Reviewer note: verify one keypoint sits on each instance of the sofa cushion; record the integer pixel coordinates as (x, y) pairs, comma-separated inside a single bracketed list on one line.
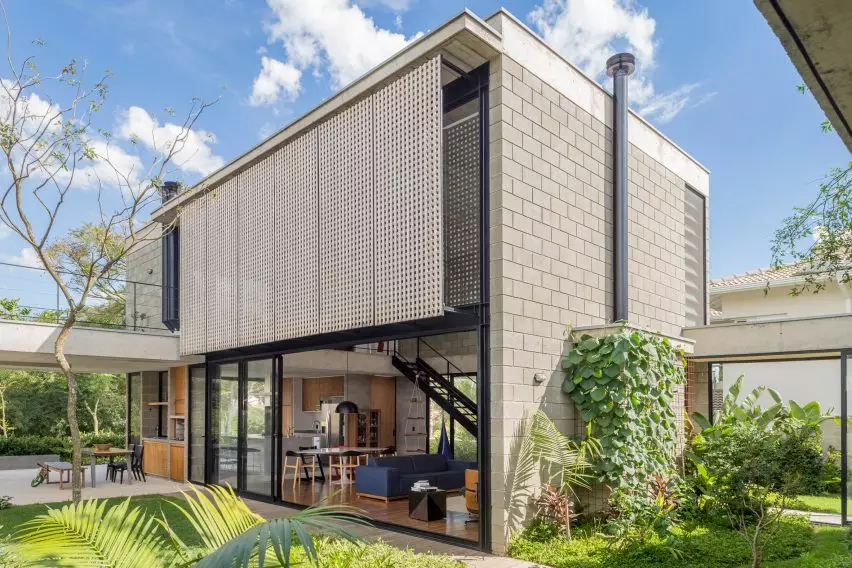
[(449, 479), (403, 463), (428, 463)]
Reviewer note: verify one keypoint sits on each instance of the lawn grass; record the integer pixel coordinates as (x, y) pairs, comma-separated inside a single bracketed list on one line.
[(796, 544), (817, 503), (335, 553), (11, 519)]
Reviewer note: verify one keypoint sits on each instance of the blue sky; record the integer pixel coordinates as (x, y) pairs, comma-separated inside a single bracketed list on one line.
[(720, 85)]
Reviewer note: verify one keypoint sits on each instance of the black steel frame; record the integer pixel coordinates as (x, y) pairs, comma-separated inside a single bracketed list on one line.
[(242, 390), (844, 356), (470, 86), (187, 431)]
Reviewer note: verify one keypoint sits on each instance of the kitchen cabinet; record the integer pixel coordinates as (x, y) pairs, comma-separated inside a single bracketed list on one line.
[(179, 389), (176, 465), (383, 398), (156, 458), (318, 388)]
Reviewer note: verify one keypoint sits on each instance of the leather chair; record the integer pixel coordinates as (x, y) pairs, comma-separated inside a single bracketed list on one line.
[(471, 494)]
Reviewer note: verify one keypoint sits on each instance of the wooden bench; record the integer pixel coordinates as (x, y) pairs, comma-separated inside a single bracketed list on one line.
[(61, 468)]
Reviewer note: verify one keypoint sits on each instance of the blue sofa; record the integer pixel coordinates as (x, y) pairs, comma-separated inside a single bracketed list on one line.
[(391, 477)]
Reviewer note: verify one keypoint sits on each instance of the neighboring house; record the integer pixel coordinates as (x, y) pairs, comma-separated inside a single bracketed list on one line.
[(768, 295), (432, 229)]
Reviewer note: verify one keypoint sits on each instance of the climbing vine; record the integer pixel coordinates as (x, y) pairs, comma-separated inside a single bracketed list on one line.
[(623, 385)]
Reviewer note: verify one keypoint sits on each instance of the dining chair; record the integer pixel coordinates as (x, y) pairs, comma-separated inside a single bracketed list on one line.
[(348, 465), (295, 466), (389, 451), (310, 460), (114, 466), (136, 465)]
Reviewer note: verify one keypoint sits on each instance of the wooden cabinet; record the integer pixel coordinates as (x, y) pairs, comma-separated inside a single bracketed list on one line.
[(321, 387), (383, 399), (155, 459), (286, 407), (176, 465), (178, 375)]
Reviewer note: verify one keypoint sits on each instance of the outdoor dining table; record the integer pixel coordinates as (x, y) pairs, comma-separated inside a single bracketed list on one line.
[(337, 451), (111, 453)]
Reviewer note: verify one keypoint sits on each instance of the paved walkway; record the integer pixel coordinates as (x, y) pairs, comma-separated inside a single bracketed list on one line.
[(469, 557), (16, 484)]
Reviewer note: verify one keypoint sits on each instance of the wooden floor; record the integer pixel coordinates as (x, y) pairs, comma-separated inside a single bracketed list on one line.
[(395, 512)]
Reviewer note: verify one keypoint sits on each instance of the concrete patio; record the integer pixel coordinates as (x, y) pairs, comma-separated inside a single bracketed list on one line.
[(16, 484)]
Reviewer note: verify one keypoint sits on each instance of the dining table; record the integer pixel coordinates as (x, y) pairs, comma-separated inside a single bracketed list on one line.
[(337, 451), (111, 453)]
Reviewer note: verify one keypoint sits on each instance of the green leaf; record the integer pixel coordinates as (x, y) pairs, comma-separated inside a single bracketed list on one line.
[(598, 394)]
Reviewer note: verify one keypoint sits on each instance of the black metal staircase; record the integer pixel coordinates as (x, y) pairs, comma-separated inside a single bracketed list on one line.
[(440, 390)]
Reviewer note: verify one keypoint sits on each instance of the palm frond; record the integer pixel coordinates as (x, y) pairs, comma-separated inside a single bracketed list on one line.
[(233, 535), (566, 458), (91, 534)]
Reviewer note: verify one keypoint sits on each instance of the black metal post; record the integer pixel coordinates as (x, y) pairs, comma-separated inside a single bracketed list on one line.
[(483, 371), (619, 67)]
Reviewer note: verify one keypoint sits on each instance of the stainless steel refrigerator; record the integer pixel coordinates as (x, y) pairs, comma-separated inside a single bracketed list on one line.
[(331, 423)]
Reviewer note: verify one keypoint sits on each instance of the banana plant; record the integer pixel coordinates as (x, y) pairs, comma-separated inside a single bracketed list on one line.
[(231, 535)]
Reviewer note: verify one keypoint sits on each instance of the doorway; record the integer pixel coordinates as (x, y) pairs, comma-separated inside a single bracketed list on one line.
[(241, 428)]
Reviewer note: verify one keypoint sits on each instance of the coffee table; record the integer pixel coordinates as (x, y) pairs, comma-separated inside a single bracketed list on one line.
[(427, 505)]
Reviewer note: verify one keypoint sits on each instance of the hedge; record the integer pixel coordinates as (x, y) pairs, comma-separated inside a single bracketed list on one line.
[(37, 445)]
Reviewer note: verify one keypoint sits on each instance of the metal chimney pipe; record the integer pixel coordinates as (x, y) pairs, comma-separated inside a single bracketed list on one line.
[(620, 67), (170, 189)]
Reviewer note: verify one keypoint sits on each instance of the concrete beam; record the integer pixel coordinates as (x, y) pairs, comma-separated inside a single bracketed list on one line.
[(820, 336)]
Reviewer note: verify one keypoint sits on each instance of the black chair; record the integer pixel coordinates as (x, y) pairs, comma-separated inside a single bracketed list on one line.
[(114, 466), (389, 451), (136, 463)]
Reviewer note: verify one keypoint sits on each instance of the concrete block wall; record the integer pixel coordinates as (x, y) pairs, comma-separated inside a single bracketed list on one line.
[(551, 230), (143, 308)]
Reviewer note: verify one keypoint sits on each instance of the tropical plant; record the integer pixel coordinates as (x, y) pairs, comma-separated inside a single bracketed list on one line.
[(565, 464), (624, 384), (91, 534)]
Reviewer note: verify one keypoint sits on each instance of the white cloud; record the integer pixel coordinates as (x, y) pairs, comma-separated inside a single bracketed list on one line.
[(275, 79), (332, 35), (195, 155), (587, 32), (4, 231), (267, 130), (27, 257)]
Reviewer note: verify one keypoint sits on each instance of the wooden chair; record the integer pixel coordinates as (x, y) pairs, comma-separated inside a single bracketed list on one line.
[(296, 467), (348, 465), (471, 494), (311, 461)]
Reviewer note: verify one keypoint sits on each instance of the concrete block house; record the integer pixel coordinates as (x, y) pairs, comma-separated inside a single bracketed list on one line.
[(413, 249)]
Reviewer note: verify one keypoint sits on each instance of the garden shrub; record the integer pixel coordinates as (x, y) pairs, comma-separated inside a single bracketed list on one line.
[(708, 546), (37, 445), (801, 451)]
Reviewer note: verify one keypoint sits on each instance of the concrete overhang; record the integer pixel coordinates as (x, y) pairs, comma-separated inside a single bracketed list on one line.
[(817, 39), (29, 345), (793, 338), (466, 41)]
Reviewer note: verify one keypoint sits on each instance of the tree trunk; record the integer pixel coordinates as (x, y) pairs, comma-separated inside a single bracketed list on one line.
[(3, 418), (76, 456)]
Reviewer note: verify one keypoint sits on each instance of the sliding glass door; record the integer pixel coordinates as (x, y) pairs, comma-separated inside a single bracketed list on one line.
[(259, 433), (241, 433), (224, 425)]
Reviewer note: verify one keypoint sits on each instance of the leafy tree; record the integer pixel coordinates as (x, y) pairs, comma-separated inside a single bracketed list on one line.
[(818, 236), (11, 309), (49, 143)]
